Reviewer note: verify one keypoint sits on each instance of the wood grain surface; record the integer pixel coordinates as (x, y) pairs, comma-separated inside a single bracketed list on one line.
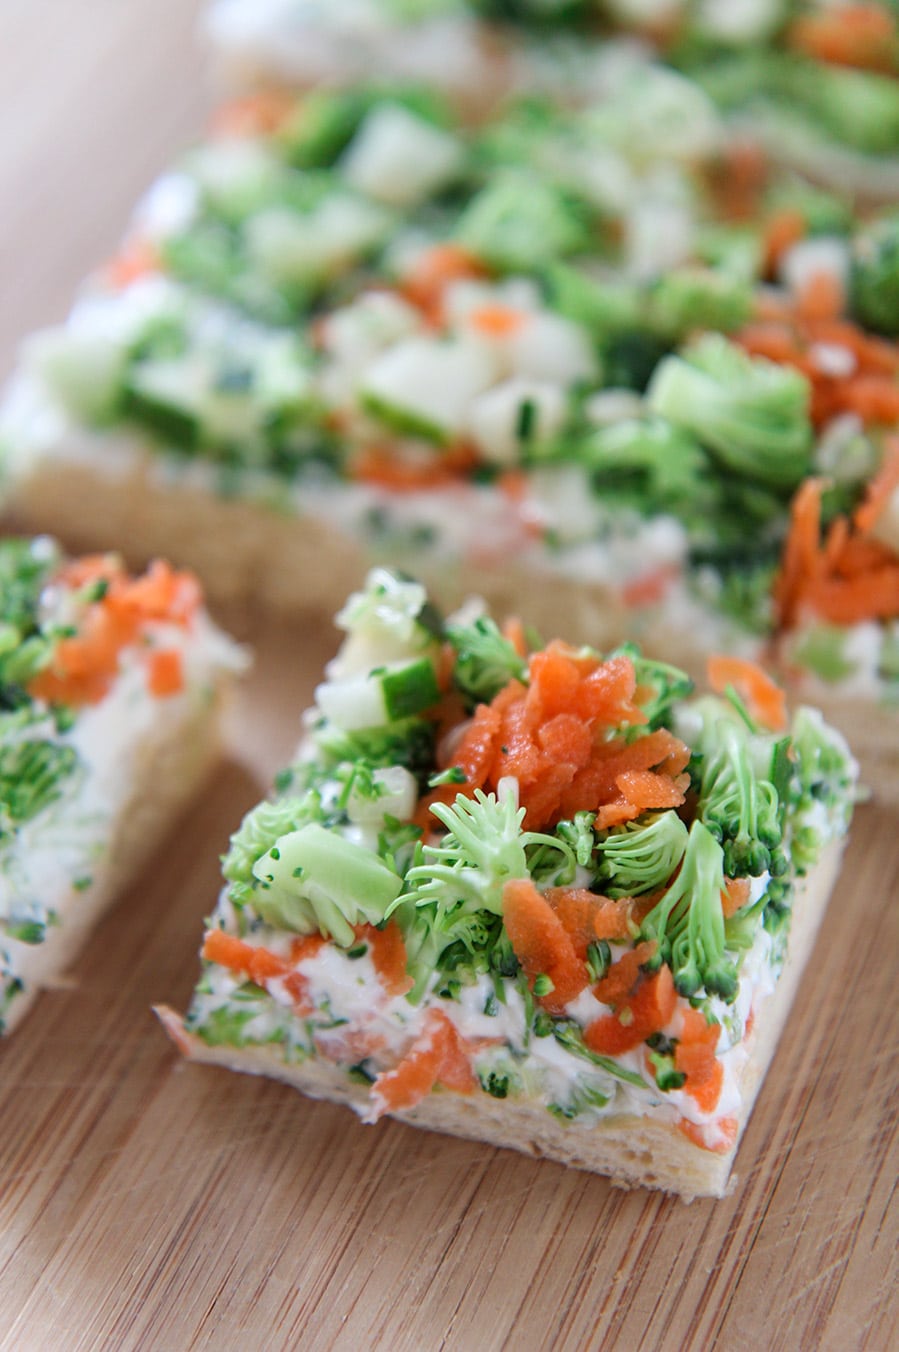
[(146, 1204)]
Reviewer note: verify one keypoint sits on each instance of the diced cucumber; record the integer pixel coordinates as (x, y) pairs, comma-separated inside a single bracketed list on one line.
[(84, 371), (424, 386), (290, 248), (236, 177), (399, 158), (396, 796), (396, 691), (550, 348), (515, 416), (168, 397)]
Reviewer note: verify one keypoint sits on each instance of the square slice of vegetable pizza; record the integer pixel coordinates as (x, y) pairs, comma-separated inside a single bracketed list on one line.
[(110, 690), (528, 894)]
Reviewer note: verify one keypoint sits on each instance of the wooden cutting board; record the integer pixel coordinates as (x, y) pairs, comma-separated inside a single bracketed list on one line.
[(153, 1205)]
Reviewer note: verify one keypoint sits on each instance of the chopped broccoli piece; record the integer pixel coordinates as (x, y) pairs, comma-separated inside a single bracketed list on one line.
[(691, 299), (484, 847), (32, 774), (688, 923), (518, 223), (315, 879), (752, 414), (739, 807), (858, 108), (651, 465), (638, 858), (485, 661), (408, 742), (261, 828), (668, 685), (821, 793), (602, 308), (875, 276)]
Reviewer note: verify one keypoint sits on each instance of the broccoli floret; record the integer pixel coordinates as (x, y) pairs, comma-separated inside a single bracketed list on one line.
[(518, 223), (485, 661), (875, 276), (638, 858), (484, 847), (262, 827), (691, 299), (858, 108), (740, 807), (752, 414), (687, 924), (604, 308), (315, 879), (451, 910), (822, 791), (32, 775), (652, 466), (668, 685), (408, 742)]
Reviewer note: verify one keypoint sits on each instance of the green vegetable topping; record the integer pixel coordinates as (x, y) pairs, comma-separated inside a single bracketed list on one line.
[(752, 414), (687, 924)]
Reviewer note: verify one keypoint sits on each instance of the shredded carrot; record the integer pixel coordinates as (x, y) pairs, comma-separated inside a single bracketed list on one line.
[(433, 271), (165, 672), (735, 896), (821, 296), (387, 468), (719, 1138), (738, 180), (880, 489), (84, 665), (552, 737), (587, 917), (251, 960), (782, 230), (794, 335), (513, 632), (764, 699), (388, 952), (847, 578), (497, 321), (542, 944), (138, 258), (257, 114), (623, 975), (862, 35), (437, 1056), (646, 1011), (651, 588)]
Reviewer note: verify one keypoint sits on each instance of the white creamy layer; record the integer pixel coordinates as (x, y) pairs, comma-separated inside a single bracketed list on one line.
[(54, 856), (353, 1020)]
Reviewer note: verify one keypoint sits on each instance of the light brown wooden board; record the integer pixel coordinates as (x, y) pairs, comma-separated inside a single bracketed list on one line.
[(148, 1204)]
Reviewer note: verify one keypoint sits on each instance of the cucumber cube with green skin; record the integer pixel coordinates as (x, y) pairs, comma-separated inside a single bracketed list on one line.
[(399, 158), (382, 696), (84, 371), (291, 248), (424, 387)]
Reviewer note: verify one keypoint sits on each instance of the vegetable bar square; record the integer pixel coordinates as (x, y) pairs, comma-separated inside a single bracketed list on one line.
[(110, 691), (528, 894), (608, 361)]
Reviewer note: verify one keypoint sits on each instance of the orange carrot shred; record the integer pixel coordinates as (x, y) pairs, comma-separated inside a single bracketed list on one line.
[(764, 699), (541, 944)]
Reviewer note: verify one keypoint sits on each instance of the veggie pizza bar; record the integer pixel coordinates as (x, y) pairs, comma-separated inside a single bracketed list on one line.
[(528, 894), (110, 690), (610, 362), (816, 78)]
